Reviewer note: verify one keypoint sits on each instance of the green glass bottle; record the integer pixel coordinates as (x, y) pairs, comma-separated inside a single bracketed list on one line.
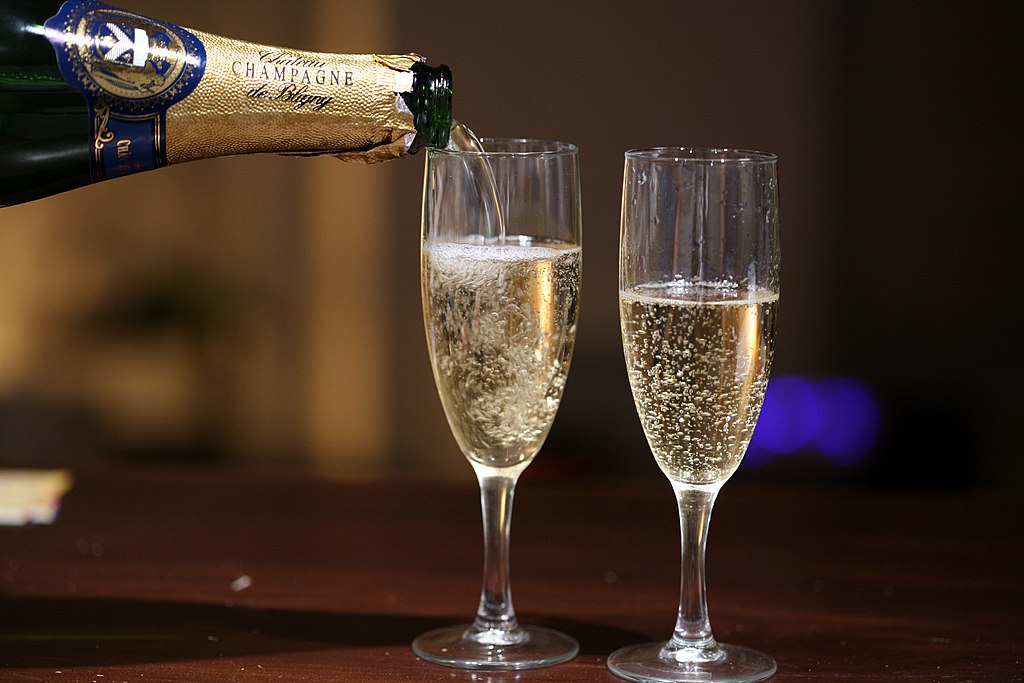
[(89, 92)]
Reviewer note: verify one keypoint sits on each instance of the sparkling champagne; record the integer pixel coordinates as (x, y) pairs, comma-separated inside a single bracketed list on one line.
[(500, 321), (698, 358), (462, 139)]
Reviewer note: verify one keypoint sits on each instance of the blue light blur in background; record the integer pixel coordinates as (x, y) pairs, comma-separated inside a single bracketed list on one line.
[(838, 419)]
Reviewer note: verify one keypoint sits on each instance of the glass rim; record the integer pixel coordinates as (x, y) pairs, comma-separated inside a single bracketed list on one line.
[(722, 155), (554, 148)]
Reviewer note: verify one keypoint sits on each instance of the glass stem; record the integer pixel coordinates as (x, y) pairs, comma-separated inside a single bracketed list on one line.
[(496, 618), (693, 626)]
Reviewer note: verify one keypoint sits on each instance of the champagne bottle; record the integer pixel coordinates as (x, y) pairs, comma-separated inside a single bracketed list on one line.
[(89, 92)]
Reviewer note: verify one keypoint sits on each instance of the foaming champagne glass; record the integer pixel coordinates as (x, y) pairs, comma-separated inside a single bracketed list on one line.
[(500, 268), (698, 294)]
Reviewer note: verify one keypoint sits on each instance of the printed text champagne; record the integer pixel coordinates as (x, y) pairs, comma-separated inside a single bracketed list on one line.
[(89, 92)]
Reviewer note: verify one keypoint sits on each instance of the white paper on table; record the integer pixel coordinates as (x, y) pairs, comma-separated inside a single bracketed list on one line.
[(31, 496)]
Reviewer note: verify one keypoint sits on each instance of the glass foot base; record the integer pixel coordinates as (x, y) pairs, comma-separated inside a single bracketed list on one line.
[(535, 647), (649, 663)]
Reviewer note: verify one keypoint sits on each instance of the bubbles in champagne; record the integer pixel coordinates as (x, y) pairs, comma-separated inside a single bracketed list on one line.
[(698, 359), (501, 321)]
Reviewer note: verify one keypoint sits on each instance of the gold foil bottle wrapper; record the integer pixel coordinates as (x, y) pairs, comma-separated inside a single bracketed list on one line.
[(259, 98)]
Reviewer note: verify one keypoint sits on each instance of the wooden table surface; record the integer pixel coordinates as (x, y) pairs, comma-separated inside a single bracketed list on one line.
[(215, 574)]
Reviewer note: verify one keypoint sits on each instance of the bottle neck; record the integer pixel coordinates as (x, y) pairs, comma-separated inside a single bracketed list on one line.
[(430, 102)]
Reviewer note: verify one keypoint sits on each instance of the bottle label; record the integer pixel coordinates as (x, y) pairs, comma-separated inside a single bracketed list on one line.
[(131, 69)]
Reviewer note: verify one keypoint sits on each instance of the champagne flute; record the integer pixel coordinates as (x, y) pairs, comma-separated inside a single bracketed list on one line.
[(500, 267), (698, 294)]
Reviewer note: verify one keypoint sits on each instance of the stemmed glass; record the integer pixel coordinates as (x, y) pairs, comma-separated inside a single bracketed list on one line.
[(698, 294), (500, 264)]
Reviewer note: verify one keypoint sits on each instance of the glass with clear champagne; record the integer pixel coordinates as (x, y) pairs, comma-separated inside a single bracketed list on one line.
[(698, 295), (500, 268)]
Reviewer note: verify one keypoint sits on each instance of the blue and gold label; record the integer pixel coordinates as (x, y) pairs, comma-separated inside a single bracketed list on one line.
[(131, 69)]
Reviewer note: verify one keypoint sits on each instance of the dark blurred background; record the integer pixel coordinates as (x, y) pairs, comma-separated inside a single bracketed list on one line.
[(267, 310)]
